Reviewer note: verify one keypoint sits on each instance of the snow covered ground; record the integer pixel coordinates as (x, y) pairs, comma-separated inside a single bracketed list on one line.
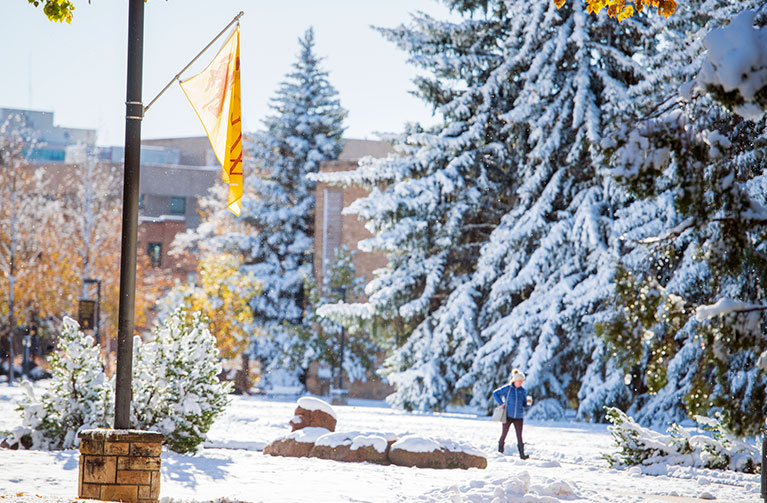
[(565, 465)]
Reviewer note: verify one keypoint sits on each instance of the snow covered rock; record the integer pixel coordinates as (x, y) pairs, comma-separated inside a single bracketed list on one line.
[(425, 452), (297, 444), (352, 447), (313, 413)]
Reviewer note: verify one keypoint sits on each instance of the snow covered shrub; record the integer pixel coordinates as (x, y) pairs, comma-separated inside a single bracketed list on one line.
[(641, 446), (176, 389), (80, 396)]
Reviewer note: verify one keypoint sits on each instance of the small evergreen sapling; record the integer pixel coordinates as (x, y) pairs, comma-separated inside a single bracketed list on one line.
[(176, 389), (641, 446), (80, 396)]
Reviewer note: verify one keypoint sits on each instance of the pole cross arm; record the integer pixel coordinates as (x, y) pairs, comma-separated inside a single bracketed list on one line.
[(178, 75)]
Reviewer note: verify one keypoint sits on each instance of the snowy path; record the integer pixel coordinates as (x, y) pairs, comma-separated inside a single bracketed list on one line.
[(565, 465)]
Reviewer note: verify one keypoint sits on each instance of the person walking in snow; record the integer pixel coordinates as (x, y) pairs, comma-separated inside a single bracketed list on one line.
[(514, 396)]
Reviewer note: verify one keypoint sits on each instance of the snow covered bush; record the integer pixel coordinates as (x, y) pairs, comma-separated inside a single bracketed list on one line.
[(641, 446), (176, 389), (80, 396)]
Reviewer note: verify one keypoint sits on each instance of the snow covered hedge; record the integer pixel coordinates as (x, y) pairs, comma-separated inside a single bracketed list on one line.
[(641, 446), (176, 390)]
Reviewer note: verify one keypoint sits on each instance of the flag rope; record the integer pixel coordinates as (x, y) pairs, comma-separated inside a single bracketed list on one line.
[(178, 75)]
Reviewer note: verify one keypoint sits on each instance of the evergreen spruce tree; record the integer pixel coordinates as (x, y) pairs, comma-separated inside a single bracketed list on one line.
[(701, 168), (497, 223), (434, 204), (547, 268), (275, 235)]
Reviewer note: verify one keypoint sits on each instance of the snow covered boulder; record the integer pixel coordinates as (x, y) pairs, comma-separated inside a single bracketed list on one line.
[(297, 444), (425, 452), (313, 413), (353, 447)]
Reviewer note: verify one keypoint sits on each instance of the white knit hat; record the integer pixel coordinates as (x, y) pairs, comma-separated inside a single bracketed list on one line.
[(516, 375)]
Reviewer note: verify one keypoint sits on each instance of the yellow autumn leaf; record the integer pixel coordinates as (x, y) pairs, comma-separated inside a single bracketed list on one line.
[(626, 13), (620, 10), (667, 7)]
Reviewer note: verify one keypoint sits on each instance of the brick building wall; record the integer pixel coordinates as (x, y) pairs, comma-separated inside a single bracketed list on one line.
[(331, 230), (155, 236)]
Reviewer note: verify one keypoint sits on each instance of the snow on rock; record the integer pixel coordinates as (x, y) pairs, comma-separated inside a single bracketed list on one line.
[(308, 435), (418, 443), (336, 439), (313, 412), (377, 442), (311, 403), (353, 447), (426, 452), (354, 440), (415, 443), (296, 444)]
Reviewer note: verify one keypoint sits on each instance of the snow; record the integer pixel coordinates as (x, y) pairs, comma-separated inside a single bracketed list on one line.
[(414, 443), (565, 464), (354, 439), (311, 403), (724, 306), (307, 435), (375, 441), (417, 443), (737, 61)]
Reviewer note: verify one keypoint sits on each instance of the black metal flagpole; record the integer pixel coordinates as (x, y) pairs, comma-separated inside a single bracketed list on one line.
[(134, 111)]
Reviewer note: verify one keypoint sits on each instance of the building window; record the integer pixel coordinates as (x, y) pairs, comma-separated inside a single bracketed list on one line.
[(154, 250), (177, 205), (141, 201)]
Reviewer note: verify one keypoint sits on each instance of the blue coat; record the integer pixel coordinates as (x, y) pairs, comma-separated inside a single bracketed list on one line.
[(517, 400)]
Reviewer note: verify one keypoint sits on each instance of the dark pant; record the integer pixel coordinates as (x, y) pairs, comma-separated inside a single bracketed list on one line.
[(517, 428)]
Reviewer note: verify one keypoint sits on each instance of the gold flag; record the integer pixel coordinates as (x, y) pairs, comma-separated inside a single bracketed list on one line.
[(215, 95)]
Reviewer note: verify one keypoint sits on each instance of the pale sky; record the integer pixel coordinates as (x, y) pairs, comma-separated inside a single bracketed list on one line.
[(78, 70)]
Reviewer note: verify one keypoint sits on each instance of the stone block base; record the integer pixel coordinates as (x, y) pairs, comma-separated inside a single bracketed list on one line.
[(120, 465)]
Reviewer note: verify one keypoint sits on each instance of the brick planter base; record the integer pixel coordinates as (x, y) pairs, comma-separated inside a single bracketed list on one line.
[(120, 465)]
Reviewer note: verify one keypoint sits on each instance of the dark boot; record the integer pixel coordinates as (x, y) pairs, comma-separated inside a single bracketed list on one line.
[(500, 447), (521, 448)]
